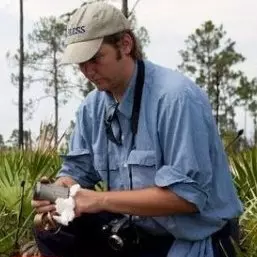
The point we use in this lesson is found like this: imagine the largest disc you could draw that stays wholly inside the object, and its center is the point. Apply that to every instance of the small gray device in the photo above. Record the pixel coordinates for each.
(50, 192)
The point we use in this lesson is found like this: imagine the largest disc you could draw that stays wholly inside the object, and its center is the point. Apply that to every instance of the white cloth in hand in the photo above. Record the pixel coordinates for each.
(65, 207)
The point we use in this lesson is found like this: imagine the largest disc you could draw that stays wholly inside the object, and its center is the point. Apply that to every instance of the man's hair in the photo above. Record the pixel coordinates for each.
(136, 51)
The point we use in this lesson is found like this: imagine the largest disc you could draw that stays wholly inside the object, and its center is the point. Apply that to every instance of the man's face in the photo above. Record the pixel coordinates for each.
(106, 68)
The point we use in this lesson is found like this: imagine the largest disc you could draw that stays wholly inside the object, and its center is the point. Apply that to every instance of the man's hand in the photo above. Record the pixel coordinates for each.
(152, 201)
(45, 206)
(65, 181)
(87, 201)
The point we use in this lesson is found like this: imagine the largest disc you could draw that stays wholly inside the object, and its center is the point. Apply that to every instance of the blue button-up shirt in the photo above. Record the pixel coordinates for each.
(177, 146)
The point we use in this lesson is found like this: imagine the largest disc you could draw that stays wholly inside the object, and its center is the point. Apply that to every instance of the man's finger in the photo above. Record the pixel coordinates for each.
(36, 204)
(48, 208)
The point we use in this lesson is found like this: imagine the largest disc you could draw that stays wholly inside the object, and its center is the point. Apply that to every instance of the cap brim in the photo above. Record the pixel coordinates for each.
(81, 51)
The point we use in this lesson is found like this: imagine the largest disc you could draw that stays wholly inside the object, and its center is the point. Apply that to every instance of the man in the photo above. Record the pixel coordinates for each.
(148, 132)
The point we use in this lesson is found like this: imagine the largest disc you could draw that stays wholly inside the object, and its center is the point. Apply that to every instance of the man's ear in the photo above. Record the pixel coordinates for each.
(126, 44)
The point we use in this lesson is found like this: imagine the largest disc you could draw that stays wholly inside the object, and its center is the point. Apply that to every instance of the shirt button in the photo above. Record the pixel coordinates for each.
(122, 138)
(125, 165)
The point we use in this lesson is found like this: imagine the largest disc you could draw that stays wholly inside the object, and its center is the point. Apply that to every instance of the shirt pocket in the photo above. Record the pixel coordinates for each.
(101, 164)
(143, 168)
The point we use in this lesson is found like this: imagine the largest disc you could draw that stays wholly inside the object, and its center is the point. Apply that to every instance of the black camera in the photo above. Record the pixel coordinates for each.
(121, 235)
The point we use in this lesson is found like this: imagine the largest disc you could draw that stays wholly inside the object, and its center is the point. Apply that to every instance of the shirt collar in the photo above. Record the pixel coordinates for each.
(125, 106)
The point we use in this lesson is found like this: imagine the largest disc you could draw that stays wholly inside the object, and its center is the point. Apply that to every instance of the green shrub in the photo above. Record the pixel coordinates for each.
(19, 171)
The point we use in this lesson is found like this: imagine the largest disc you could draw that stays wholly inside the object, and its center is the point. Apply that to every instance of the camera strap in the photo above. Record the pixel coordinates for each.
(137, 99)
(134, 123)
(136, 110)
(134, 117)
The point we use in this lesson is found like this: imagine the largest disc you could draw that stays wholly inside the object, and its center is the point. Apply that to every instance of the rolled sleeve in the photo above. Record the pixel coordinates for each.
(78, 163)
(184, 138)
(181, 185)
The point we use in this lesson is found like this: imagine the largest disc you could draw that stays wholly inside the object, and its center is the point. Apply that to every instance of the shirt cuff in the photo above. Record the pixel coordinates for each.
(65, 173)
(182, 185)
(84, 178)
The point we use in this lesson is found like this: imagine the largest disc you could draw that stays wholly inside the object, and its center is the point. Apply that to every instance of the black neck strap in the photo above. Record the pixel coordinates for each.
(135, 115)
(137, 98)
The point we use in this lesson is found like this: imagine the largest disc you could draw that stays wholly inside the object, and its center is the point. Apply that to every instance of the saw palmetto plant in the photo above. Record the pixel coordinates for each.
(19, 172)
(244, 168)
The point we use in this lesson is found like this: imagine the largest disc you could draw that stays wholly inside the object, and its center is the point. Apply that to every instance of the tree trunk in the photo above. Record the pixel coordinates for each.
(217, 98)
(21, 79)
(56, 98)
(255, 129)
(245, 119)
(125, 8)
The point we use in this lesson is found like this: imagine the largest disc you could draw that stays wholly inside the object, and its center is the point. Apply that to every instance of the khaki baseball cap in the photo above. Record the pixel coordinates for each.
(87, 28)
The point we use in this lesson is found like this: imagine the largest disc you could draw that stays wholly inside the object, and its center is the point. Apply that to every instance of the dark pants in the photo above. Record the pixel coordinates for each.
(84, 238)
(223, 241)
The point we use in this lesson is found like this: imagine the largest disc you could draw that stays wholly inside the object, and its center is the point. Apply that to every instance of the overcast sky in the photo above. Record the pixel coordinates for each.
(168, 22)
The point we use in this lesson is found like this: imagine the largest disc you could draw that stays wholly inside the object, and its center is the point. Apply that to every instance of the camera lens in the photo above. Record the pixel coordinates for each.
(116, 242)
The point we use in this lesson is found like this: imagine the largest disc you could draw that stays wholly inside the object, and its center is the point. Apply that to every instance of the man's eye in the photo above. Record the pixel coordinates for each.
(97, 58)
